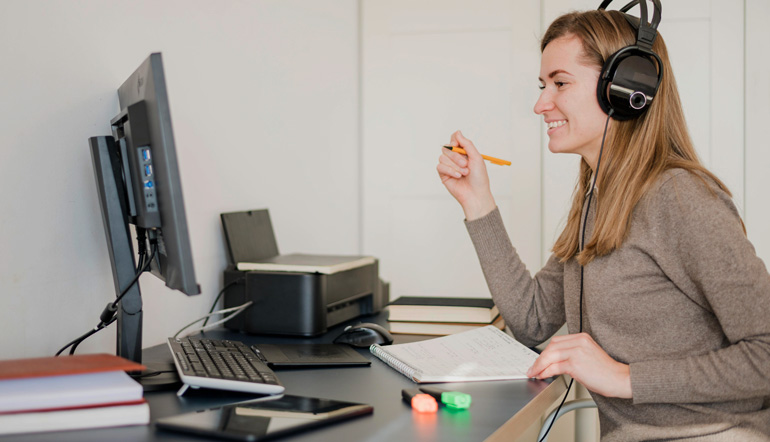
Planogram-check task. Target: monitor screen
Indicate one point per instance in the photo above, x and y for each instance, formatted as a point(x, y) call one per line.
point(156, 186)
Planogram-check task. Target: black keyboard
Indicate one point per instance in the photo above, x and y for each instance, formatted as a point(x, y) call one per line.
point(223, 365)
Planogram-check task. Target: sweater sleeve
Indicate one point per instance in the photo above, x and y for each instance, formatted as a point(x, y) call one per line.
point(704, 251)
point(532, 307)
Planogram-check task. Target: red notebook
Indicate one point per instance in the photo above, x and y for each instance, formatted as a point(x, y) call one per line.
point(64, 365)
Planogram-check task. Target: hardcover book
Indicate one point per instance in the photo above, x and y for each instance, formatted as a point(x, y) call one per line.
point(62, 365)
point(72, 390)
point(76, 418)
point(434, 309)
point(438, 328)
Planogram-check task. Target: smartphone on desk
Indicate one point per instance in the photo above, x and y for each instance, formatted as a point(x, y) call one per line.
point(265, 418)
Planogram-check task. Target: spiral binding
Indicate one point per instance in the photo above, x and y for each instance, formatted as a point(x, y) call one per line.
point(401, 367)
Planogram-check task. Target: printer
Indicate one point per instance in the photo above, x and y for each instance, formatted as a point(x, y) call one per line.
point(297, 294)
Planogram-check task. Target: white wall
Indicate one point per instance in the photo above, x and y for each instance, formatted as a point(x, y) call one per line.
point(264, 103)
point(757, 115)
point(430, 68)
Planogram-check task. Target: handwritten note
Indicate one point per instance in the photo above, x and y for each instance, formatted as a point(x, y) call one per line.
point(485, 353)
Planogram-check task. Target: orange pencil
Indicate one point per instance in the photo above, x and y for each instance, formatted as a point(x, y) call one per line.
point(492, 160)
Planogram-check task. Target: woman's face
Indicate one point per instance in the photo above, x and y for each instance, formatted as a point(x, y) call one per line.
point(568, 102)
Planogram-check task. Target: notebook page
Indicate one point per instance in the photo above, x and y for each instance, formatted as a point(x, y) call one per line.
point(485, 352)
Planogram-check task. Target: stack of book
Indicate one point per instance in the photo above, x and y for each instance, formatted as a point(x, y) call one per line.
point(69, 393)
point(441, 316)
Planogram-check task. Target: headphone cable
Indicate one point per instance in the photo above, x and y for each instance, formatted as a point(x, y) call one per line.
point(582, 246)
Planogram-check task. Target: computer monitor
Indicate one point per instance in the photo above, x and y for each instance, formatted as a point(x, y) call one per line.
point(138, 182)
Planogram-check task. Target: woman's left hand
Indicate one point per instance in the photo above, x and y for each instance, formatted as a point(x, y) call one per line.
point(581, 357)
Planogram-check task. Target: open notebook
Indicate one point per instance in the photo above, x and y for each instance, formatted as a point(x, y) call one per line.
point(482, 354)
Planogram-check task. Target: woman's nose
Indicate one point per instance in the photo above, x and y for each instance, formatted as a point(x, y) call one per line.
point(543, 103)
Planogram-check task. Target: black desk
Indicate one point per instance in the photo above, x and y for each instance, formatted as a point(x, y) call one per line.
point(501, 410)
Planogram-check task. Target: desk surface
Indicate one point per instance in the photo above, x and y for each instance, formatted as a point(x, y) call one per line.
point(501, 410)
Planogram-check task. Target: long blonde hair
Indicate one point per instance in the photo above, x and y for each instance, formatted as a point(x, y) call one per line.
point(636, 151)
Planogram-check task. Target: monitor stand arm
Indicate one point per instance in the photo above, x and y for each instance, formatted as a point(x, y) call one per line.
point(112, 199)
point(106, 155)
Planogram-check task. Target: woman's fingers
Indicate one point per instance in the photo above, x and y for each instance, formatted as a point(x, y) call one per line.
point(458, 158)
point(555, 369)
point(562, 348)
point(549, 357)
point(457, 164)
point(466, 144)
point(445, 172)
point(453, 139)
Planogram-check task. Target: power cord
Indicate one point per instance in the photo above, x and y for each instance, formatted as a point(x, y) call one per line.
point(582, 246)
point(219, 295)
point(110, 312)
point(151, 374)
point(236, 311)
point(211, 313)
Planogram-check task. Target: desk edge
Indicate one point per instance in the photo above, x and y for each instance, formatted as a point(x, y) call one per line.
point(531, 413)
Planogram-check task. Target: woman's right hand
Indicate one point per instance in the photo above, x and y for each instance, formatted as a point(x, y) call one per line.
point(466, 178)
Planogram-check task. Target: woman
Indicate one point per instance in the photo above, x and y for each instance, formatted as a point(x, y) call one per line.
point(675, 305)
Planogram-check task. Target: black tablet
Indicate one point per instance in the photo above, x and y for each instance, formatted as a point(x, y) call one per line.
point(265, 418)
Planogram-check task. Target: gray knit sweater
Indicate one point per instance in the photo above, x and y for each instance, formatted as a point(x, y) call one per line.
point(685, 301)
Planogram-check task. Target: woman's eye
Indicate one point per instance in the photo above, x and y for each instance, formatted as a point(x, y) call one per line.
point(559, 83)
point(541, 86)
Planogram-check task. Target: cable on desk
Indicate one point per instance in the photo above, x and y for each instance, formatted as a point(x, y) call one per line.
point(151, 374)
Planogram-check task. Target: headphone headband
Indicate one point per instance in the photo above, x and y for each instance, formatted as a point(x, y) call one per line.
point(646, 31)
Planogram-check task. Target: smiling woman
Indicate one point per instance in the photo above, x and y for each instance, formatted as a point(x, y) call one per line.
point(661, 291)
point(568, 102)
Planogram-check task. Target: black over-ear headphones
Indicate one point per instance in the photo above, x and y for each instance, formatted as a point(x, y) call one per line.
point(631, 76)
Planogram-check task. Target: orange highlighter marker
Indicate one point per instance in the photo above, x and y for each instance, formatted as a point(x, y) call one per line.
point(492, 160)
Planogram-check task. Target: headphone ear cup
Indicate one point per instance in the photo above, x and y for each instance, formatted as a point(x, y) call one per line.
point(602, 92)
point(628, 83)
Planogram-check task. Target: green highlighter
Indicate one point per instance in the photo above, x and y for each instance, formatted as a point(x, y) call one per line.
point(451, 399)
